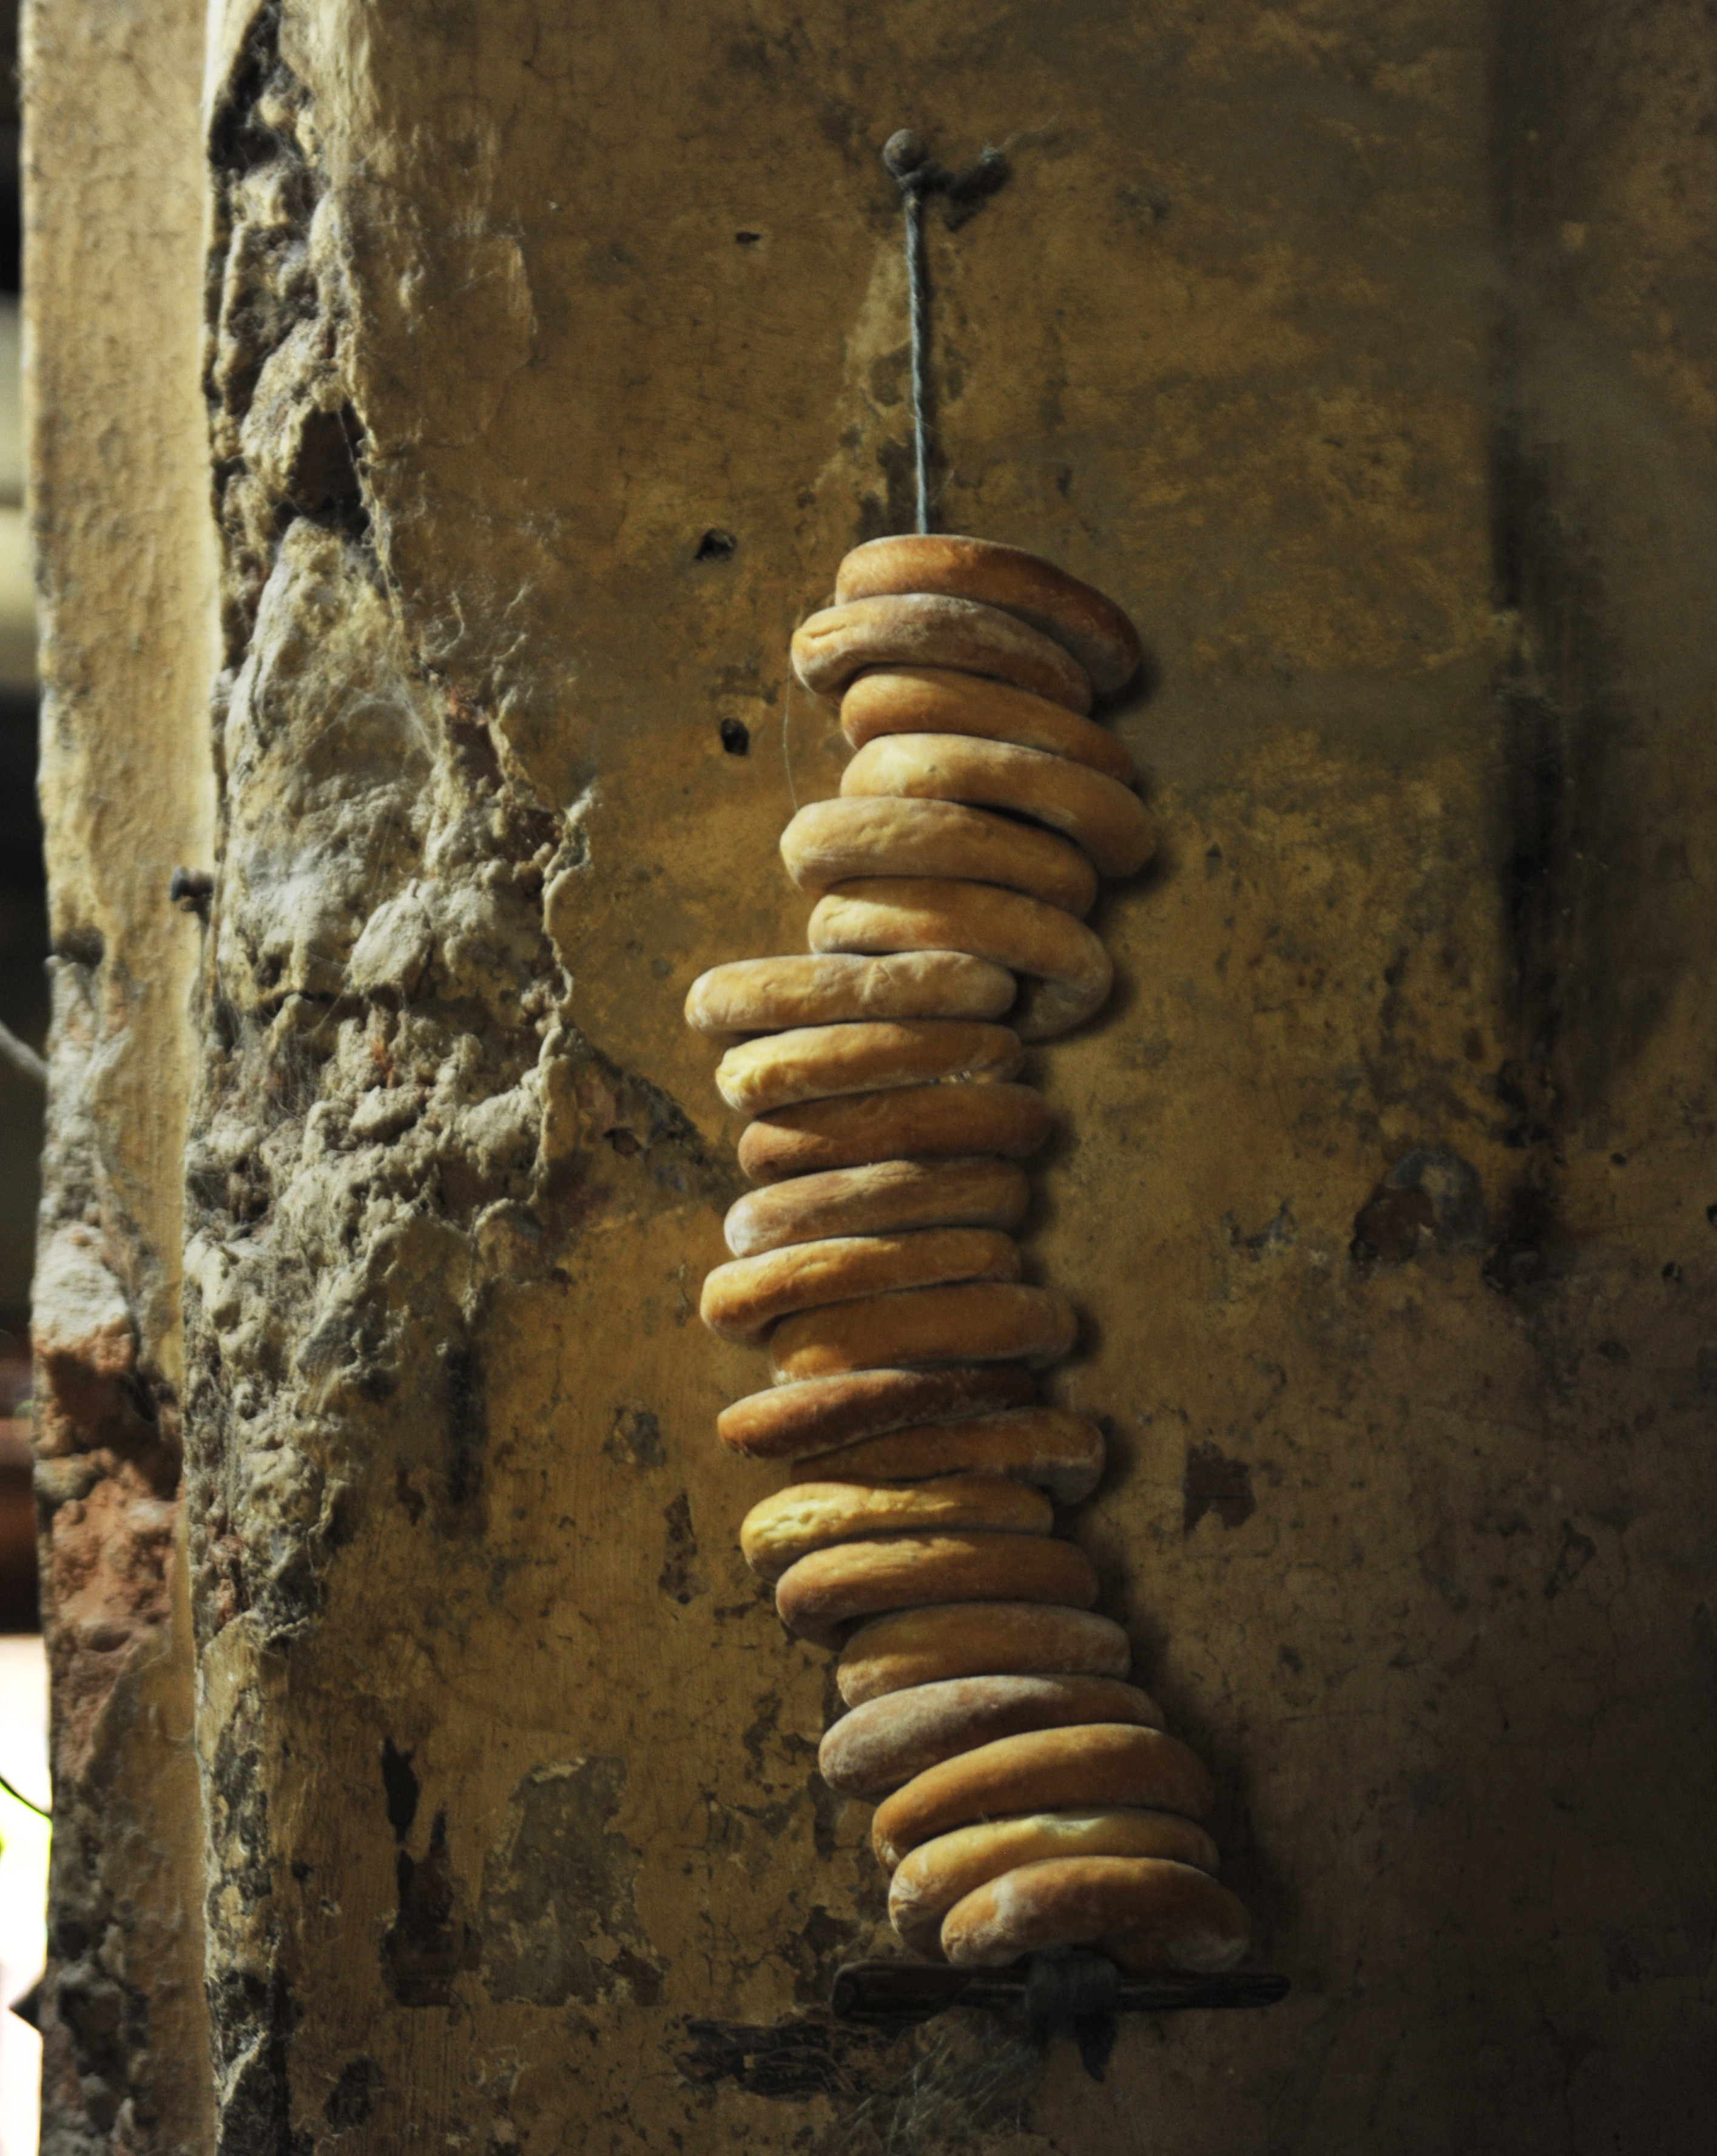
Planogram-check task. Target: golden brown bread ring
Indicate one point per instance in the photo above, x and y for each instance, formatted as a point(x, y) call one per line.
point(810, 1515)
point(922, 628)
point(767, 995)
point(1092, 628)
point(978, 1639)
point(1106, 819)
point(924, 836)
point(877, 1747)
point(916, 1121)
point(788, 1421)
point(1071, 971)
point(1145, 1914)
point(869, 1055)
point(1057, 1450)
point(931, 700)
point(884, 1198)
point(1097, 1765)
point(937, 1874)
point(742, 1299)
point(829, 1588)
point(978, 1321)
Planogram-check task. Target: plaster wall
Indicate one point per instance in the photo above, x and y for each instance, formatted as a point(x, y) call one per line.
point(126, 572)
point(1363, 354)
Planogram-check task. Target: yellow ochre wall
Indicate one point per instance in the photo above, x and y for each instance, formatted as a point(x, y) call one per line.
point(1363, 353)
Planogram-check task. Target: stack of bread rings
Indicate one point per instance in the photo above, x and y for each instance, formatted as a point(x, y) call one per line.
point(1030, 1797)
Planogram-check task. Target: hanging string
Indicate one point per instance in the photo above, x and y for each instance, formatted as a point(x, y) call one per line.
point(918, 175)
point(1072, 1992)
point(909, 161)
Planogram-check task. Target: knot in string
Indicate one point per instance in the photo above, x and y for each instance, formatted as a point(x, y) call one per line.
point(907, 158)
point(1072, 1992)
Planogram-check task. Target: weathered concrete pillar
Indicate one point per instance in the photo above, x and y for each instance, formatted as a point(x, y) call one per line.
point(553, 357)
point(115, 191)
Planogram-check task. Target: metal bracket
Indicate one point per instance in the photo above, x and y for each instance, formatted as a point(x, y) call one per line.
point(878, 1993)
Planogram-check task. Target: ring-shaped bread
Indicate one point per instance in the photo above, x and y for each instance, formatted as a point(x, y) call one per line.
point(914, 1122)
point(788, 1421)
point(882, 835)
point(934, 699)
point(830, 1588)
point(977, 1321)
point(922, 1645)
point(1099, 1765)
point(1107, 820)
point(742, 1299)
point(767, 995)
point(825, 1062)
point(922, 628)
point(875, 1747)
point(884, 1198)
point(1058, 1450)
point(937, 1874)
point(1091, 627)
point(1069, 972)
point(780, 1530)
point(1147, 1915)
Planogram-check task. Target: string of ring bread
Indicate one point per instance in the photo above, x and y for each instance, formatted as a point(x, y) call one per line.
point(1030, 1795)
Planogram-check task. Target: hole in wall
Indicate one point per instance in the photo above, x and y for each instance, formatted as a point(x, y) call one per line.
point(736, 736)
point(400, 1787)
point(717, 545)
point(81, 945)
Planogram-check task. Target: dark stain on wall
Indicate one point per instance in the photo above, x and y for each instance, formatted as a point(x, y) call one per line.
point(400, 1787)
point(466, 1430)
point(680, 1551)
point(560, 1876)
point(817, 1950)
point(1430, 1201)
point(1526, 1233)
point(636, 1438)
point(353, 2096)
point(429, 1942)
point(1590, 874)
point(793, 2059)
point(1214, 1483)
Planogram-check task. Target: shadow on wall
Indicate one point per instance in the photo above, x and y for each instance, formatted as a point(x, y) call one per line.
point(23, 908)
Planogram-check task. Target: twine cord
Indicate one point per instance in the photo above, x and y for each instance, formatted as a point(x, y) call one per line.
point(1072, 1992)
point(918, 301)
point(917, 174)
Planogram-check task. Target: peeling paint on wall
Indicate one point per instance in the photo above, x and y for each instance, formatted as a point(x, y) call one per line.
point(558, 1918)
